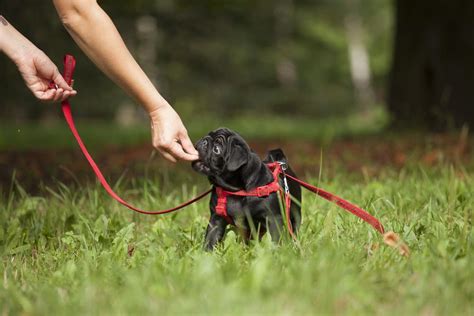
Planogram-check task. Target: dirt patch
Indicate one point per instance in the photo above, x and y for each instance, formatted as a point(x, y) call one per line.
point(358, 156)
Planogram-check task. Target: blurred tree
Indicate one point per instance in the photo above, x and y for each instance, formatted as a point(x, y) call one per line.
point(433, 72)
point(221, 57)
point(358, 56)
point(285, 66)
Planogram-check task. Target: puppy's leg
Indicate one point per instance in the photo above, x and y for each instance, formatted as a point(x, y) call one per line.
point(215, 232)
point(276, 227)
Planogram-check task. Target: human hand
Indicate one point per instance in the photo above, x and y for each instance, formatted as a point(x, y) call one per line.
point(38, 71)
point(35, 67)
point(169, 136)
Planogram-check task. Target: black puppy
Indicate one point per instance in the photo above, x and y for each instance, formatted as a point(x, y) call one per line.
point(229, 163)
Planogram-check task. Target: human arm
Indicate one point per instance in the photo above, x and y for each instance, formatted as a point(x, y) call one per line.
point(83, 19)
point(34, 66)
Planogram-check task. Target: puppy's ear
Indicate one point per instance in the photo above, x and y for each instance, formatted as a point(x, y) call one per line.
point(238, 157)
point(276, 155)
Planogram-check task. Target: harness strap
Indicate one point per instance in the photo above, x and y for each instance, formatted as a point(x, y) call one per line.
point(221, 206)
point(69, 65)
point(261, 191)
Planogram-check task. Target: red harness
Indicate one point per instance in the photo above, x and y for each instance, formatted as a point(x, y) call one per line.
point(276, 168)
point(261, 191)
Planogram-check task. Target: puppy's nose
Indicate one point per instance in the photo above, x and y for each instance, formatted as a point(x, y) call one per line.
point(202, 144)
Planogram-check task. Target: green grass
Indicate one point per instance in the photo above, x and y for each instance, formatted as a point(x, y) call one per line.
point(66, 252)
point(27, 135)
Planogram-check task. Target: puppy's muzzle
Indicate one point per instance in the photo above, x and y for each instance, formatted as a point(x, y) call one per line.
point(201, 165)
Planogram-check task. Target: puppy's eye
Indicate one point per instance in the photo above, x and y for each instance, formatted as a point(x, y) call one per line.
point(216, 150)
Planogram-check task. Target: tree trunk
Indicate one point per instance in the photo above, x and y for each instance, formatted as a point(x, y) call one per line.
point(358, 57)
point(147, 35)
point(432, 74)
point(284, 20)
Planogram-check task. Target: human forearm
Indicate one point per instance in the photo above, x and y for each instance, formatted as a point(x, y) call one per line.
point(12, 42)
point(97, 36)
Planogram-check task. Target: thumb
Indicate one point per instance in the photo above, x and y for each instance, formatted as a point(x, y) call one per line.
point(176, 150)
point(188, 145)
point(59, 80)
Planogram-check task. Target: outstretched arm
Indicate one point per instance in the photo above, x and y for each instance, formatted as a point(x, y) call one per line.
point(96, 35)
point(34, 66)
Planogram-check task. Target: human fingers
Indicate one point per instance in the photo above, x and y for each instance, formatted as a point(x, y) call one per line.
point(45, 96)
point(188, 145)
point(58, 94)
point(47, 70)
point(165, 148)
point(59, 80)
point(167, 156)
point(177, 151)
point(68, 94)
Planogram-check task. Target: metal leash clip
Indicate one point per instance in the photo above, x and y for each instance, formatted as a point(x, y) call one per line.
point(284, 167)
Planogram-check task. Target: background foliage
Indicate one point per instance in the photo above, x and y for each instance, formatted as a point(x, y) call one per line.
point(217, 57)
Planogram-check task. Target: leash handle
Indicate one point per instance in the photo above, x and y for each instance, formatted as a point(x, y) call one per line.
point(69, 66)
point(348, 206)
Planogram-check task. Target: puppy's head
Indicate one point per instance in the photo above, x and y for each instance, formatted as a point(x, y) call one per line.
point(221, 153)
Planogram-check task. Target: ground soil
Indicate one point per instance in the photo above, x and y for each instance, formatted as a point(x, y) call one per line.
point(363, 157)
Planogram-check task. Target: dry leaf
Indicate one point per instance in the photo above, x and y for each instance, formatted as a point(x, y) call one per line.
point(371, 248)
point(393, 240)
point(404, 250)
point(130, 250)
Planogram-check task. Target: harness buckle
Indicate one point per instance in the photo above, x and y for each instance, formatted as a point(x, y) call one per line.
point(263, 191)
point(285, 184)
point(283, 165)
point(221, 210)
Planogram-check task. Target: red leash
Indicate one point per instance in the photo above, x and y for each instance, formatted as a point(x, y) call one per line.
point(348, 206)
point(265, 190)
point(69, 66)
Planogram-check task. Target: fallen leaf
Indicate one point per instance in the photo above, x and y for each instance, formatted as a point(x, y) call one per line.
point(130, 250)
point(393, 240)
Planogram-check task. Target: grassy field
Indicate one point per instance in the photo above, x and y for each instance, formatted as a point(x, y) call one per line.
point(54, 135)
point(69, 249)
point(72, 250)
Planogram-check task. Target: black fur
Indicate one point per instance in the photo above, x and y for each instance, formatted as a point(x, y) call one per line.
point(228, 162)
